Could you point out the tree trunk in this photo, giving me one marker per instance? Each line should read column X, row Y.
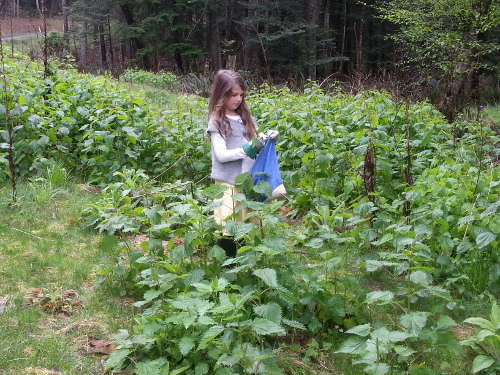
column 136, row 42
column 359, row 27
column 64, row 4
column 343, row 33
column 312, row 18
column 84, row 44
column 102, row 45
column 215, row 50
column 111, row 55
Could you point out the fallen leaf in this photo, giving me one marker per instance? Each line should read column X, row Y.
column 100, row 346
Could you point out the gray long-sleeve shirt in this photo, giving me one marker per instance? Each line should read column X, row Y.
column 228, row 158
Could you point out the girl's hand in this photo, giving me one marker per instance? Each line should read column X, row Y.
column 273, row 134
column 270, row 134
column 253, row 147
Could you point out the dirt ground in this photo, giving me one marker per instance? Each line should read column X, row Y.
column 28, row 25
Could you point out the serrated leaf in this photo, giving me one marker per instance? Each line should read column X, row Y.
column 463, row 247
column 215, row 191
column 266, row 327
column 201, row 369
column 440, row 292
column 481, row 322
column 294, row 324
column 152, row 294
column 238, row 229
column 381, row 296
column 378, row 368
column 202, row 287
column 270, row 311
column 491, row 209
column 484, row 239
column 354, row 345
column 420, row 278
column 286, row 295
column 268, row 275
column 117, row 359
column 481, row 362
column 315, row 243
column 414, row 322
column 179, row 370
column 385, row 238
column 384, row 335
column 150, row 367
column 216, row 253
column 361, row 330
column 186, row 344
column 445, row 320
column 152, row 214
column 211, row 334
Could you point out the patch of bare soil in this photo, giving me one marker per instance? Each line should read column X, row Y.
column 29, row 25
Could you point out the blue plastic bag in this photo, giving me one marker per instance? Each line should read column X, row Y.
column 266, row 168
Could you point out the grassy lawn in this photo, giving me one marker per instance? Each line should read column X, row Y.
column 51, row 309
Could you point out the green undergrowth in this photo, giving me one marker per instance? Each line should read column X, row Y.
column 382, row 259
column 51, row 307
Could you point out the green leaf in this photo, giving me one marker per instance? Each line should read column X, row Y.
column 361, row 330
column 495, row 314
column 481, row 322
column 378, row 368
column 108, row 242
column 266, row 327
column 216, row 253
column 484, row 239
column 271, row 311
column 238, row 229
column 381, row 296
column 211, row 334
column 215, row 191
column 446, row 321
column 420, row 278
column 354, row 345
column 201, row 369
column 491, row 209
column 152, row 214
column 481, row 362
column 268, row 275
column 294, row 324
column 440, row 292
column 315, row 243
column 414, row 321
column 150, row 367
column 186, row 344
column 117, row 359
column 152, row 294
column 179, row 370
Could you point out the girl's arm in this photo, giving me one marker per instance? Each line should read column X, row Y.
column 221, row 152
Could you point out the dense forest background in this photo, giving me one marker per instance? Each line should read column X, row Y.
column 445, row 50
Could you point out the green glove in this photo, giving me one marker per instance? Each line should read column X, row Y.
column 253, row 148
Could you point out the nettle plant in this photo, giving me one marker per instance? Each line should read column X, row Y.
column 203, row 313
column 408, row 341
column 96, row 127
column 486, row 342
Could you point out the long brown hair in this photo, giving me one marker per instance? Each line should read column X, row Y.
column 221, row 89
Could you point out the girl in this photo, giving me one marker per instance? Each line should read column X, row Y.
column 232, row 133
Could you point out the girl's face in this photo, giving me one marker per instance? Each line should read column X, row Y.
column 233, row 101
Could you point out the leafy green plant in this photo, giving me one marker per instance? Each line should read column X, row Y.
column 161, row 80
column 486, row 342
